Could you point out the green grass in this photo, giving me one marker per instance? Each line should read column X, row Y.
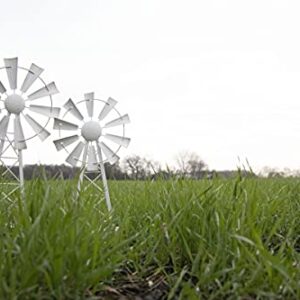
column 210, row 239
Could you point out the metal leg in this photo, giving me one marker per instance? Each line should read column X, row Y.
column 21, row 172
column 1, row 147
column 81, row 175
column 80, row 180
column 6, row 169
column 103, row 174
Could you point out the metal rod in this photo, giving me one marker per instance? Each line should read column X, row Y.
column 21, row 172
column 82, row 171
column 103, row 174
column 80, row 179
column 1, row 147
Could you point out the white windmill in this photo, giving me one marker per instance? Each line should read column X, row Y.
column 99, row 130
column 23, row 115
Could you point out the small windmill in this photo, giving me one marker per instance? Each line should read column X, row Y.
column 99, row 131
column 22, row 117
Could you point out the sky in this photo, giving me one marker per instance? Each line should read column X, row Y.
column 219, row 78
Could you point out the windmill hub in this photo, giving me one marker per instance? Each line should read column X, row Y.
column 91, row 131
column 14, row 104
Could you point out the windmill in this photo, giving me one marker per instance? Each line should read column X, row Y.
column 23, row 115
column 99, row 133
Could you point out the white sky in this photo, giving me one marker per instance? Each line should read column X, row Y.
column 220, row 78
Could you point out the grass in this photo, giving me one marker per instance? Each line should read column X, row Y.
column 209, row 239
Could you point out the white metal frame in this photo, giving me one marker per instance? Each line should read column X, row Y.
column 101, row 170
column 19, row 184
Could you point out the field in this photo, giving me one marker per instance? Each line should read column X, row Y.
column 181, row 239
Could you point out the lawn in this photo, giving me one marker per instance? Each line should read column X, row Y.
column 181, row 239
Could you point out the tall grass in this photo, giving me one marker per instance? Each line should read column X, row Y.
column 209, row 239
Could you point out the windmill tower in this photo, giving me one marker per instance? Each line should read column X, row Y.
column 23, row 115
column 99, row 133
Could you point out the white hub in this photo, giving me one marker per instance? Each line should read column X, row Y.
column 91, row 131
column 14, row 104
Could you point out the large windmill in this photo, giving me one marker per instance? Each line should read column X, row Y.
column 25, row 111
column 98, row 131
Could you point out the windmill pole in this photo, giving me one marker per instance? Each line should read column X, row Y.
column 81, row 175
column 80, row 180
column 1, row 146
column 21, row 172
column 104, row 180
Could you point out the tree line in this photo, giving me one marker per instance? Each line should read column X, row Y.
column 133, row 167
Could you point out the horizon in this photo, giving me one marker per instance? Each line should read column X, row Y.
column 174, row 167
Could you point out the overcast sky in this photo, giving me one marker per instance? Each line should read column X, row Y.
column 220, row 78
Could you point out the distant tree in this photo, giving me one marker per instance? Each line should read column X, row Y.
column 276, row 175
column 264, row 172
column 153, row 167
column 114, row 171
column 189, row 164
column 138, row 167
column 271, row 172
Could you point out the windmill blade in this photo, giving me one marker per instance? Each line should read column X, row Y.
column 64, row 142
column 64, row 125
column 72, row 108
column 75, row 154
column 89, row 97
column 109, row 105
column 119, row 121
column 109, row 154
column 37, row 128
column 48, row 111
column 120, row 140
column 11, row 65
column 33, row 73
column 1, row 146
column 3, row 127
column 2, row 88
column 48, row 90
column 18, row 134
column 92, row 164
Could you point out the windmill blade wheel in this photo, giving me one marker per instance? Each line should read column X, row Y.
column 91, row 126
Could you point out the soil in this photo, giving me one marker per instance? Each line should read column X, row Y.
column 129, row 286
